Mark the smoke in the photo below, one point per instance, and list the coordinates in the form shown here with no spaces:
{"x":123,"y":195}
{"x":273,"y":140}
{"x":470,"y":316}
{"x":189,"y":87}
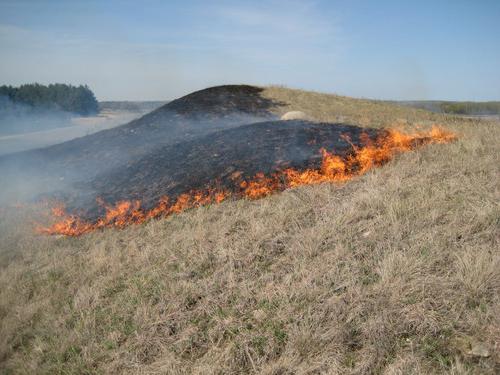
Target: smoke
{"x":66,"y":170}
{"x":16,"y":118}
{"x":26,"y":135}
{"x":28,"y":128}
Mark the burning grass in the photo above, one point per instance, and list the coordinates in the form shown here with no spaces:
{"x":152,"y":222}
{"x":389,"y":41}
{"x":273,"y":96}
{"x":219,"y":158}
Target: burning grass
{"x":334,"y":168}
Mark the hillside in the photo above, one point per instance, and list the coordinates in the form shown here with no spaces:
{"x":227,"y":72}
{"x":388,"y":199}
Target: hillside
{"x":215,"y":159}
{"x":396,"y":271}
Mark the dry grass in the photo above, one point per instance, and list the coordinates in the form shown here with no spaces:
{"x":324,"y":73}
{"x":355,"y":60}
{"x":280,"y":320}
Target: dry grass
{"x":333,"y":108}
{"x":397,"y":272}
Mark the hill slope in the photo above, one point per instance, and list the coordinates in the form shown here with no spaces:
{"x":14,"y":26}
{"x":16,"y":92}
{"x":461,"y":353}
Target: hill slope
{"x":394,"y":272}
{"x":214,"y":159}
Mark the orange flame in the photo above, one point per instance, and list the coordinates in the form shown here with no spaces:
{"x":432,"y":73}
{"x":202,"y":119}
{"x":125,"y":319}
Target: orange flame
{"x":333,"y":169}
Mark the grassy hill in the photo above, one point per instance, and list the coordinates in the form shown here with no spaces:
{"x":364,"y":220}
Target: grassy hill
{"x":395,"y":272}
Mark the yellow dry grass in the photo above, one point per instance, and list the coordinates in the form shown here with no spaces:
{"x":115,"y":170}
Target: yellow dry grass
{"x":396,"y":272}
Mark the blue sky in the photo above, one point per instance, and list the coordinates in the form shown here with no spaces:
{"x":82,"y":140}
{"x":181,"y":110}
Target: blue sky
{"x":147,"y":50}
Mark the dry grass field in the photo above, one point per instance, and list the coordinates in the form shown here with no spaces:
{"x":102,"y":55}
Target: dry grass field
{"x":394,"y":272}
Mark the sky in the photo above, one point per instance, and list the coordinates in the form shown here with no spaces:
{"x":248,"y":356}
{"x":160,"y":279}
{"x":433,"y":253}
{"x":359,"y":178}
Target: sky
{"x":161,"y":50}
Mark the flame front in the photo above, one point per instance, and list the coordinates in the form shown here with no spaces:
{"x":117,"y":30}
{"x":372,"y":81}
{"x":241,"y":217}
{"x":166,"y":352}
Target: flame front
{"x":333,"y":168}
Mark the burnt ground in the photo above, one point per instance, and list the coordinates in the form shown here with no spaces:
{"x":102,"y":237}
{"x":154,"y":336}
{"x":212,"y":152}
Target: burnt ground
{"x":193,"y":142}
{"x":215,"y":160}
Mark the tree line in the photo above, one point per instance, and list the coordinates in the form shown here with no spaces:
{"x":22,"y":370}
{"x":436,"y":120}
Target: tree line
{"x":58,"y":96}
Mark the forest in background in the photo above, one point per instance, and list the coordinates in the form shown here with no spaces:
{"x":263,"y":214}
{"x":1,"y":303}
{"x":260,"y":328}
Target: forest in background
{"x":58,"y":96}
{"x":36,"y":107}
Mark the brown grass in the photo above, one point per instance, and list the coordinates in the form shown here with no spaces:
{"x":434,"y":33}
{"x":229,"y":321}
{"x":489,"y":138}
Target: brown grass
{"x":397,"y":272}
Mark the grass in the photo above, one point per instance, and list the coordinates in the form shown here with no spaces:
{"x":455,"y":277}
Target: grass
{"x":396,"y":272}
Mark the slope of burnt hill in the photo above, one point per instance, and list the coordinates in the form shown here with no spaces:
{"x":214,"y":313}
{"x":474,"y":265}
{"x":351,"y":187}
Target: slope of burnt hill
{"x":222,"y":101}
{"x":191,"y":116}
{"x":219,"y":159}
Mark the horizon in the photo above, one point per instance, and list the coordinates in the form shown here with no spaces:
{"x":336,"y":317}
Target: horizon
{"x":158,"y":52}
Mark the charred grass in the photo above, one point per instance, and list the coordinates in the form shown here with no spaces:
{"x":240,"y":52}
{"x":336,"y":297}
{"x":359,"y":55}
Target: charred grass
{"x":396,"y":272}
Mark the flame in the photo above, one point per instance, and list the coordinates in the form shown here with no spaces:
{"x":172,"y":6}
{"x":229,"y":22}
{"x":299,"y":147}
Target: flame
{"x":124,"y":213}
{"x":334,"y":168}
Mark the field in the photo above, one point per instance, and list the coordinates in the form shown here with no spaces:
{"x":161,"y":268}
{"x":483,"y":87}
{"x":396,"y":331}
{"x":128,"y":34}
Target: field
{"x":394,"y":272}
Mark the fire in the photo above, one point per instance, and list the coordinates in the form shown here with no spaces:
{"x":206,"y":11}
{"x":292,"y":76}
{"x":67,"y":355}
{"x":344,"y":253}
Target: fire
{"x":124,"y":213}
{"x":334,"y":168}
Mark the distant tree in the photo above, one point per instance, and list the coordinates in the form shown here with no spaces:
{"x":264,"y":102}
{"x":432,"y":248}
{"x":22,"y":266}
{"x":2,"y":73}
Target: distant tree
{"x":76,"y":99}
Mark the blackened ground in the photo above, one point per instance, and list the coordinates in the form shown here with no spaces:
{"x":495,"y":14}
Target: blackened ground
{"x":214,"y":160}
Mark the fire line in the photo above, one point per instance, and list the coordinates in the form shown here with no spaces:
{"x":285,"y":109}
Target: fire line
{"x":334,"y":168}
